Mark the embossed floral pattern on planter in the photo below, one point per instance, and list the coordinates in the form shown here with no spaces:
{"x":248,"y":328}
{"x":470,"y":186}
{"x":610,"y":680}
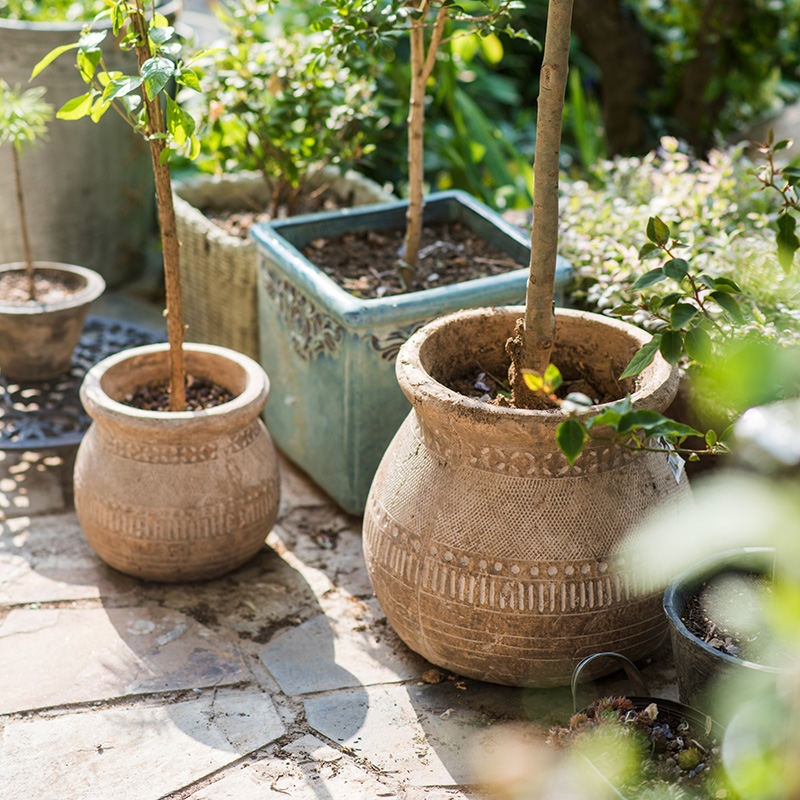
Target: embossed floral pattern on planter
{"x":337,"y":404}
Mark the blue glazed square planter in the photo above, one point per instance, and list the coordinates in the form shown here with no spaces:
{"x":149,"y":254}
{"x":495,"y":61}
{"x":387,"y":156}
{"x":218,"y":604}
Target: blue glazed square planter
{"x":335,"y":403}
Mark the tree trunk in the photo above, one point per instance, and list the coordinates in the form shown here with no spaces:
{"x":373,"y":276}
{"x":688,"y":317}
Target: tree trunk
{"x":23,"y":224}
{"x":721,"y":21}
{"x":416,"y":124}
{"x":169,"y":233}
{"x":539,"y":330}
{"x":615,"y":40}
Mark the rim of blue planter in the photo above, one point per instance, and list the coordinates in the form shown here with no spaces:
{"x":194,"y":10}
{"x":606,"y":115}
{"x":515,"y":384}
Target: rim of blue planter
{"x":687,"y":581}
{"x":286,"y":236}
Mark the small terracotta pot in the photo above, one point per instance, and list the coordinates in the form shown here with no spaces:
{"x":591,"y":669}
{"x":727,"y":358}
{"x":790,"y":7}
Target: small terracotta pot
{"x":488,"y":553}
{"x":37,"y":340}
{"x":176,"y":496}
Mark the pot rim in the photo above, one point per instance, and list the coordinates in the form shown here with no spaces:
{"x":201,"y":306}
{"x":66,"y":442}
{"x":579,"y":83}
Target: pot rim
{"x":686,"y":581}
{"x":95,"y":286}
{"x":253,"y":397}
{"x":415,"y":379}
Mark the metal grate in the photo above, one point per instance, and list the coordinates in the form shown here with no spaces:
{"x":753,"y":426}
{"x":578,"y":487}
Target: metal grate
{"x":40,"y":416}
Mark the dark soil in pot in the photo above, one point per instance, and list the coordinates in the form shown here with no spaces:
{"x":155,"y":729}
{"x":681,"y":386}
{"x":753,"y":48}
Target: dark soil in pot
{"x":201,"y":394}
{"x":727,"y":613}
{"x":365,"y":263}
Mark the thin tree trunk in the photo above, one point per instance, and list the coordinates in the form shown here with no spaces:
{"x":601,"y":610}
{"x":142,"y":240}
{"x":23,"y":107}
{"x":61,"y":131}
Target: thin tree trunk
{"x":614,"y":38}
{"x":540,"y":322}
{"x":169,"y":233}
{"x":23,"y":225}
{"x":422,"y":64}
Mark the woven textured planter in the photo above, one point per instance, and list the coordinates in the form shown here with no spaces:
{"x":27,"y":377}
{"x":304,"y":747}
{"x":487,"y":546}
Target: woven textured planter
{"x":488,"y":553}
{"x":218,"y":270}
{"x":37,"y":341}
{"x":88,"y":187}
{"x":176,"y":496}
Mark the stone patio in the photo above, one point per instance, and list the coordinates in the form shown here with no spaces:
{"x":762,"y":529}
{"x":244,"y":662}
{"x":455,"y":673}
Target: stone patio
{"x":280,"y":679}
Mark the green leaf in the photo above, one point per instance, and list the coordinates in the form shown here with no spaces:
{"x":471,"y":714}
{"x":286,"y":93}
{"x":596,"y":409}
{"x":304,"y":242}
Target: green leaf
{"x":787,"y":240}
{"x":76,"y":108}
{"x":98,"y":109}
{"x":188,"y":77}
{"x":711,"y":438}
{"x":87,"y":63}
{"x":707,"y":281}
{"x":119,"y":87}
{"x":670,"y":299}
{"x":648,"y":279}
{"x":729,"y":304}
{"x":791,"y":175}
{"x":91,"y":41}
{"x":643,"y":358}
{"x":677,"y":269}
{"x":179,"y":123}
{"x":161,"y":35}
{"x":570,"y":438}
{"x":51,"y":57}
{"x":681,"y":314}
{"x":623,"y":310}
{"x":156,"y":73}
{"x":552,"y":376}
{"x":649,"y":250}
{"x":783,"y":144}
{"x":726,"y":285}
{"x":533,"y":380}
{"x":671,"y":346}
{"x":657,"y":231}
{"x":643,"y":418}
{"x":697,"y":343}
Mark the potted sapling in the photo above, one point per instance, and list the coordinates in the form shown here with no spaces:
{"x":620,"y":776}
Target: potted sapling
{"x":341,"y":324}
{"x":492,"y":552}
{"x":177,"y":477}
{"x":43,"y":305}
{"x":280,"y":134}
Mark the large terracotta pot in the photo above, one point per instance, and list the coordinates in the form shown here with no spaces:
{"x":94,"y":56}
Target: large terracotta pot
{"x":176,"y":496}
{"x":488,"y":553}
{"x":37,"y":340}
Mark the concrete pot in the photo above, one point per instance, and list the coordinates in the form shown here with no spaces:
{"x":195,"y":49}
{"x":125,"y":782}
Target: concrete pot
{"x":176,"y":496}
{"x":488,"y":553}
{"x":89,"y":186}
{"x":37,"y":341}
{"x":338,"y":404}
{"x":706,"y":675}
{"x":218,"y":270}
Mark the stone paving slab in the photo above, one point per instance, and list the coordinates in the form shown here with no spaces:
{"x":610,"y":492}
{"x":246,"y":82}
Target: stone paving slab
{"x":133,"y":753}
{"x":345,"y":651}
{"x":46,"y":559}
{"x":58,"y":656}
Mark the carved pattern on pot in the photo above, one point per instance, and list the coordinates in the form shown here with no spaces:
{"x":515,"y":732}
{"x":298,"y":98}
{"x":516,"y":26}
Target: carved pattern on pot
{"x":514,"y":586}
{"x":389,"y":344}
{"x":180,"y":524}
{"x":311,"y":332}
{"x":132,"y":450}
{"x":516,"y":462}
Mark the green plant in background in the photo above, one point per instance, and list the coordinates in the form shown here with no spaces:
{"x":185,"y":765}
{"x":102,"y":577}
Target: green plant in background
{"x":23,"y":121}
{"x":143,"y":100}
{"x":51,"y":10}
{"x":429,"y":24}
{"x":270,"y":104}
